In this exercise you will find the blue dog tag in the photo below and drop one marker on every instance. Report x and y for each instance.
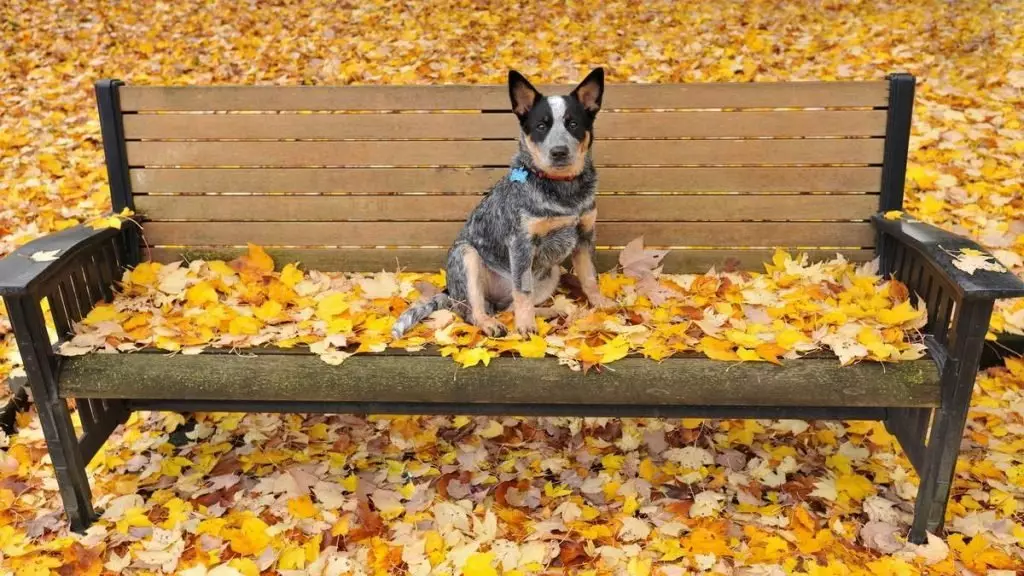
(517, 175)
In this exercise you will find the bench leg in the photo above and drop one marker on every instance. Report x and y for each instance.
(942, 444)
(936, 473)
(61, 439)
(68, 463)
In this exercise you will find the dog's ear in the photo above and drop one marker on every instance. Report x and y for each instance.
(590, 91)
(522, 93)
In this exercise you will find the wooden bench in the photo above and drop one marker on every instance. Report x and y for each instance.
(717, 171)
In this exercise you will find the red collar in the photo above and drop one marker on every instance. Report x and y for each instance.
(547, 176)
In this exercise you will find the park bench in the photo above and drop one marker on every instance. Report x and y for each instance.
(370, 178)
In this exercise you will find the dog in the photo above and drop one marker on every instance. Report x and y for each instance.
(510, 250)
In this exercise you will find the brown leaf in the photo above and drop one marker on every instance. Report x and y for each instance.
(426, 289)
(638, 262)
(572, 553)
(571, 284)
(228, 464)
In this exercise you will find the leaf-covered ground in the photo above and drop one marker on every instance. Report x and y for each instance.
(479, 495)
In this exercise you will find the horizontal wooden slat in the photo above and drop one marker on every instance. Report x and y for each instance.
(496, 153)
(517, 381)
(438, 126)
(476, 180)
(678, 261)
(495, 97)
(632, 207)
(697, 234)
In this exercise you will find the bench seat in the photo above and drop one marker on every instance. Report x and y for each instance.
(425, 383)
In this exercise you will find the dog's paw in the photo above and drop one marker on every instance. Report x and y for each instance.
(526, 328)
(602, 302)
(493, 328)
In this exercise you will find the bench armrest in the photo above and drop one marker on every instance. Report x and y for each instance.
(20, 275)
(937, 245)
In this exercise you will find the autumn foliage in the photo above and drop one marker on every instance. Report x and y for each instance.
(290, 494)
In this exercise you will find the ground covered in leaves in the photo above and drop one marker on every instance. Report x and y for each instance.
(388, 495)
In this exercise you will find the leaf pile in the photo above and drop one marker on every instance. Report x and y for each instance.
(791, 309)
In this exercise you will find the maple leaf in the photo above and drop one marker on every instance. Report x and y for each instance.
(639, 262)
(45, 255)
(970, 261)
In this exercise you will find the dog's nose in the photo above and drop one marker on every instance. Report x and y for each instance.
(559, 152)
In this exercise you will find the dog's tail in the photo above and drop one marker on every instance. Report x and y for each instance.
(417, 312)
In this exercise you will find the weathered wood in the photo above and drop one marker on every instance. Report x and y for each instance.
(498, 153)
(610, 208)
(787, 123)
(371, 378)
(694, 234)
(678, 261)
(495, 97)
(476, 180)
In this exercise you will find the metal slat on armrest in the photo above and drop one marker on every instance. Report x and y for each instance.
(937, 244)
(19, 273)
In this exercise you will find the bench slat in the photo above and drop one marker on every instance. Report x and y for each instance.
(678, 261)
(476, 180)
(463, 126)
(698, 234)
(495, 97)
(498, 153)
(621, 207)
(433, 379)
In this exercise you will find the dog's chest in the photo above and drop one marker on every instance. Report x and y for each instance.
(554, 239)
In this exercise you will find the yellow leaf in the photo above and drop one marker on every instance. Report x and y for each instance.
(200, 294)
(748, 355)
(341, 527)
(630, 505)
(251, 538)
(480, 564)
(331, 305)
(556, 491)
(771, 352)
(302, 507)
(472, 356)
(617, 349)
(292, 558)
(893, 215)
(244, 325)
(350, 483)
(101, 313)
(639, 566)
(855, 486)
(534, 348)
(244, 565)
(899, 314)
(647, 469)
(613, 462)
(259, 260)
(268, 310)
(291, 275)
(718, 349)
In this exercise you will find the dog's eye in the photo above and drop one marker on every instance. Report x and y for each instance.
(572, 124)
(542, 127)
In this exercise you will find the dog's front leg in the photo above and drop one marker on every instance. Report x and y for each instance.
(583, 262)
(521, 261)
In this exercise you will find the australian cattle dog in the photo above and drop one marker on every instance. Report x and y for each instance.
(542, 212)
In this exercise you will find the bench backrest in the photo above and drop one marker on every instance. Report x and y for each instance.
(359, 178)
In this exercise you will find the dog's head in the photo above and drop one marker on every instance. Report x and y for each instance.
(557, 130)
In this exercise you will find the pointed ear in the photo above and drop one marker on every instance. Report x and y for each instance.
(522, 93)
(590, 91)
